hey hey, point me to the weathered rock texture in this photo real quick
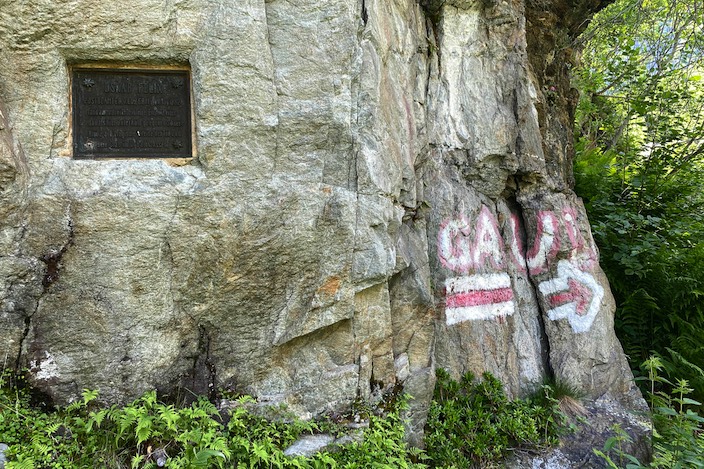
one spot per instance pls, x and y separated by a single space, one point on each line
381 187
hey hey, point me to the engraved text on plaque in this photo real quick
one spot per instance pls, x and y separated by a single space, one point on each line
131 113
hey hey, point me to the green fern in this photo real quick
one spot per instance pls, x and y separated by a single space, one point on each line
22 462
635 321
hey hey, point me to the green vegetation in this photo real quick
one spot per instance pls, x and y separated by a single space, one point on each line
471 424
678 438
640 170
150 434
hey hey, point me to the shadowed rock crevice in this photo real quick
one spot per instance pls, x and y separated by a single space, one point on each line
203 376
53 259
23 338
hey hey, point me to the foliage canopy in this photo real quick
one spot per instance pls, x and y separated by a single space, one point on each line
640 169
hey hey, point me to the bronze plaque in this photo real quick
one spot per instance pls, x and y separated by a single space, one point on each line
131 113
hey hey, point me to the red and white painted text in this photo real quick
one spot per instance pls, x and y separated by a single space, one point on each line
473 247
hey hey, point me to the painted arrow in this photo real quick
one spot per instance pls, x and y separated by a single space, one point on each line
577 293
479 296
574 294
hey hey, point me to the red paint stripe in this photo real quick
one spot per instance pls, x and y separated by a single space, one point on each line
559 299
479 298
578 293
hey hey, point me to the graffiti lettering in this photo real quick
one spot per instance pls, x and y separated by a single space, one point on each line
488 243
519 258
549 239
453 244
462 248
477 247
569 216
460 253
546 244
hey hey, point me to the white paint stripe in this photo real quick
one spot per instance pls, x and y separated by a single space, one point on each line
473 313
477 282
554 285
563 311
473 283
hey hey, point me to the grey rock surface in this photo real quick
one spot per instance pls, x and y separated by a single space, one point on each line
379 188
308 445
3 448
591 431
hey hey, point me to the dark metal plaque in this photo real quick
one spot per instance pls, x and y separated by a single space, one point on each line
131 113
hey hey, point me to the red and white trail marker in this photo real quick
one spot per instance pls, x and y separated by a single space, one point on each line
478 296
574 294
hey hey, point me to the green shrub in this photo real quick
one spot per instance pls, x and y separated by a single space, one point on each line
678 433
149 434
473 424
470 424
142 434
640 168
383 445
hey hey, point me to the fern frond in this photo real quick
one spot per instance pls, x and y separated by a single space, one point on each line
678 362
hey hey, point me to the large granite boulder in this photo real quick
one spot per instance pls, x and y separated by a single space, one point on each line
379 188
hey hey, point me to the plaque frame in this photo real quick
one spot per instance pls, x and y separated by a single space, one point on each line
176 143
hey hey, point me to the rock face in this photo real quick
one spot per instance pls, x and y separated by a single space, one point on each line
380 188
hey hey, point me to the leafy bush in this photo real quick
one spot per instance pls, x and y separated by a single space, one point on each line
145 433
383 445
678 433
149 434
473 424
640 170
469 423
